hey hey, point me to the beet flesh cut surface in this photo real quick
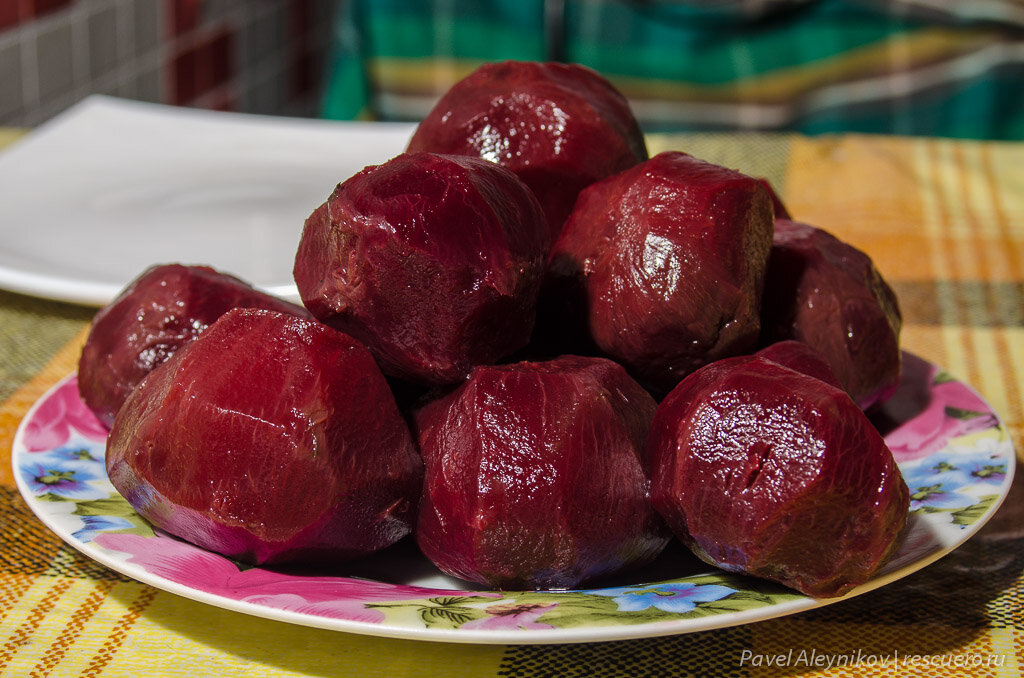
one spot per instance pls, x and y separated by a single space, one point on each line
536 476
434 262
768 471
665 261
827 293
269 439
167 306
559 127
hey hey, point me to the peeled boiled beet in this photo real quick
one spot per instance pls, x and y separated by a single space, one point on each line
165 307
433 261
827 293
268 439
798 356
559 127
536 475
667 261
766 470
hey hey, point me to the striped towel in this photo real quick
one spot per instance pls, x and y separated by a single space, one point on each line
908 67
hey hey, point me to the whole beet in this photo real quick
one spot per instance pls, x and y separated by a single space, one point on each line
167 306
559 127
827 293
536 475
433 261
663 264
268 439
769 471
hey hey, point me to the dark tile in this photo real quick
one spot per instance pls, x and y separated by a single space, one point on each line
261 37
10 76
299 18
146 20
221 53
55 62
149 86
102 42
184 71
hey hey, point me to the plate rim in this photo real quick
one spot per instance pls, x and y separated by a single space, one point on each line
97 290
560 635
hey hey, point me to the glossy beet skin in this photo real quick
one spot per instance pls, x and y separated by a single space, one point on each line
559 127
167 306
536 476
667 260
828 294
269 439
434 262
766 470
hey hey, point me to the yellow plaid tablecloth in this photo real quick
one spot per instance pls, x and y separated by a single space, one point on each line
944 222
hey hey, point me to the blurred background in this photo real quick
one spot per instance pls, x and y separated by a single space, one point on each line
912 67
259 56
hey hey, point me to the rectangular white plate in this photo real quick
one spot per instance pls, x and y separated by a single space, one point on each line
111 186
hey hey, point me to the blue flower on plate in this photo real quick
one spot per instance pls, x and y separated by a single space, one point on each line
93 525
678 597
78 454
938 480
983 463
935 486
57 474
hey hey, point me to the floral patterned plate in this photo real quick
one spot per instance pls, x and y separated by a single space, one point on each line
953 450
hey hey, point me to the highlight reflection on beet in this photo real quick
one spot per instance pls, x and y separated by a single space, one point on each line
559 127
536 475
667 262
269 439
769 471
827 293
433 261
167 306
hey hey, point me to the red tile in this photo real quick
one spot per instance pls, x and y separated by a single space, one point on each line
183 77
184 15
221 55
41 7
9 13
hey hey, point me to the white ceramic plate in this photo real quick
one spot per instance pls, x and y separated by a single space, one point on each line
953 450
109 187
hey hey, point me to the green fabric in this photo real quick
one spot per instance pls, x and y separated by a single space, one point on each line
812 66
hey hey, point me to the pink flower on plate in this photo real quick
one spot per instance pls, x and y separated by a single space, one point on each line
941 410
512 616
57 415
331 597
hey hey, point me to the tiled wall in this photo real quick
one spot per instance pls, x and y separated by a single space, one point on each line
259 56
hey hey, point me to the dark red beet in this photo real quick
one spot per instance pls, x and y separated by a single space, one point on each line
798 356
164 308
765 470
434 262
536 475
560 127
668 260
828 294
269 439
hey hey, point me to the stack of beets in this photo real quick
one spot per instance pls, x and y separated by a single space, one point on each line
592 350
